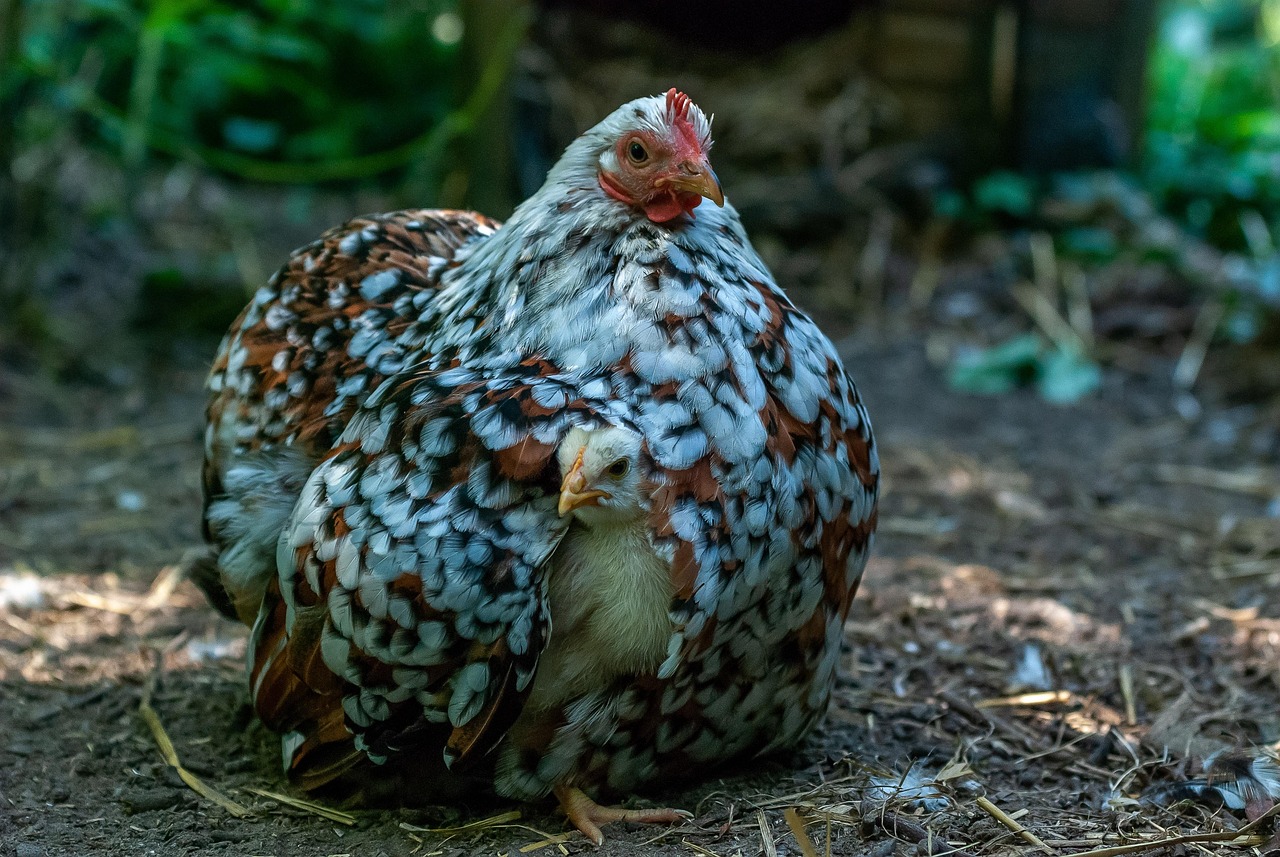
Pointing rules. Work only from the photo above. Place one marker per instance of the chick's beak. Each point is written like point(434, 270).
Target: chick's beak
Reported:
point(696, 176)
point(574, 493)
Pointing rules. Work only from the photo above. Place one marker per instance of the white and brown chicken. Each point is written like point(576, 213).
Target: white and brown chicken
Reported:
point(575, 504)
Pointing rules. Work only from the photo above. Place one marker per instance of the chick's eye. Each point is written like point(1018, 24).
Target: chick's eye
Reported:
point(619, 468)
point(637, 152)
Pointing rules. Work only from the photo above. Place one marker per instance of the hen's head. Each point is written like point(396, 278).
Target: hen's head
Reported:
point(651, 154)
point(601, 479)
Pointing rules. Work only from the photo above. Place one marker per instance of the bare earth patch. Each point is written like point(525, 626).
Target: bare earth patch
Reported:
point(1057, 596)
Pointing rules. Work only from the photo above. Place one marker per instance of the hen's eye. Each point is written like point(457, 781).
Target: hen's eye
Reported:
point(637, 152)
point(619, 468)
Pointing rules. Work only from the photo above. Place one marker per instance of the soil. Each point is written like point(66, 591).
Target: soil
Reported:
point(1065, 606)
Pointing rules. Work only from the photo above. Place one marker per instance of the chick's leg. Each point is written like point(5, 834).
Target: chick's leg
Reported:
point(589, 816)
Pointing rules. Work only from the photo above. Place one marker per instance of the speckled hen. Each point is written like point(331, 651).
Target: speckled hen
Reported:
point(572, 505)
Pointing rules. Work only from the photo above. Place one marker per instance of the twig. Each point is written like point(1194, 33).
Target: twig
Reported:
point(928, 273)
point(548, 839)
point(1059, 748)
point(766, 835)
point(1079, 313)
point(170, 754)
point(161, 588)
point(1126, 690)
point(1044, 264)
point(796, 824)
point(1040, 697)
point(22, 626)
point(122, 605)
point(1001, 816)
point(469, 827)
point(983, 717)
point(1251, 482)
point(307, 806)
point(1243, 842)
point(538, 846)
point(871, 263)
point(1047, 317)
point(1197, 347)
point(1229, 837)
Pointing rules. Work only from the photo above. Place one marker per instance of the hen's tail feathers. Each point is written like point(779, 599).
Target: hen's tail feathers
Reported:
point(200, 566)
point(245, 522)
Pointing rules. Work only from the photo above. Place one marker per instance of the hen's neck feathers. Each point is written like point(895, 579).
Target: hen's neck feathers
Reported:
point(564, 276)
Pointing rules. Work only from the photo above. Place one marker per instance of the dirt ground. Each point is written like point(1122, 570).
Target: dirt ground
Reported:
point(1057, 595)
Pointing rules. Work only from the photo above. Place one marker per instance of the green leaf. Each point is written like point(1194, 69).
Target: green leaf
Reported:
point(1090, 242)
point(949, 204)
point(1067, 376)
point(1059, 375)
point(1005, 192)
point(999, 369)
point(250, 135)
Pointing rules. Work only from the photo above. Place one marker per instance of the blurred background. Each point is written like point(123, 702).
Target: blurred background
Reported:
point(1038, 189)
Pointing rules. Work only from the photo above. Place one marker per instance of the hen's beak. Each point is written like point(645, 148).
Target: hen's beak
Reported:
point(698, 177)
point(573, 490)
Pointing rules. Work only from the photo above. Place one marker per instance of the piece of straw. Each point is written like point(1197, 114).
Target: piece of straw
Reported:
point(152, 719)
point(1012, 823)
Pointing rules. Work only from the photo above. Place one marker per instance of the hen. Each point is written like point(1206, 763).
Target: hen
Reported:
point(576, 503)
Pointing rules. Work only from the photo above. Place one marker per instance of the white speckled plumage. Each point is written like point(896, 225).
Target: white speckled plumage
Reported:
point(427, 373)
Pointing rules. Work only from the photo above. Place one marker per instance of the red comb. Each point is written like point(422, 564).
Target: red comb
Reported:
point(677, 105)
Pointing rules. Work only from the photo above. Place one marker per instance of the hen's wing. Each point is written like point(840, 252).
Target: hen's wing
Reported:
point(410, 608)
point(313, 343)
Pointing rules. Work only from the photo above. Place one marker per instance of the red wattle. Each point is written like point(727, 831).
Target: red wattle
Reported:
point(663, 207)
point(611, 187)
point(668, 206)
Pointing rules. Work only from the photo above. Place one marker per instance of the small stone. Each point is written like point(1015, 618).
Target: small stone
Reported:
point(149, 801)
point(27, 849)
point(882, 849)
point(20, 591)
point(130, 501)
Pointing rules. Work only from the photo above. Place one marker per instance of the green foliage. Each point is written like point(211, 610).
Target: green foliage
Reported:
point(1059, 374)
point(1205, 206)
point(101, 98)
point(1213, 136)
point(275, 91)
point(1213, 143)
point(998, 369)
point(1006, 193)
